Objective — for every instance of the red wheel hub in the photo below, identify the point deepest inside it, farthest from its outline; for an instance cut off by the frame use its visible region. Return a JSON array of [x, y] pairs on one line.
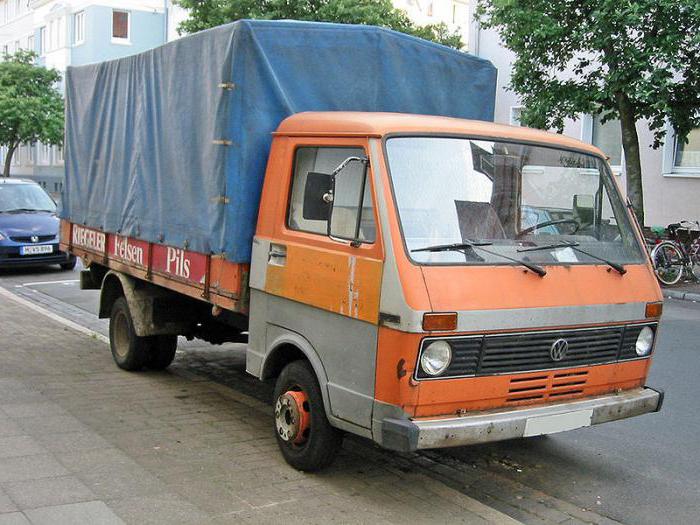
[[292, 416]]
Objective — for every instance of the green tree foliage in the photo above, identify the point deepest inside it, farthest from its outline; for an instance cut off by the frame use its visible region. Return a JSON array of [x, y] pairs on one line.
[[630, 60], [31, 108], [204, 14]]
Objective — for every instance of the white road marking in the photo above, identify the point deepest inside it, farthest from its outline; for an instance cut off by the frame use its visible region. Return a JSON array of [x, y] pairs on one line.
[[44, 283], [43, 311]]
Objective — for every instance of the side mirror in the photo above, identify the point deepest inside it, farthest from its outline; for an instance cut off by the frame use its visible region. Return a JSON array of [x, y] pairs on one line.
[[318, 196]]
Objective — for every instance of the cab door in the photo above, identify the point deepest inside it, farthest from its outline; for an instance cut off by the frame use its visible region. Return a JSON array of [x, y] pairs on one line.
[[327, 287]]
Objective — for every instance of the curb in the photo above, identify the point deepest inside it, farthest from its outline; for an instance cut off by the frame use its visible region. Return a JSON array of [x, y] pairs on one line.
[[683, 296]]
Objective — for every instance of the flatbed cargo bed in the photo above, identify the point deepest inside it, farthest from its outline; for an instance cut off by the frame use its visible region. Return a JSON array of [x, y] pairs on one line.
[[209, 278]]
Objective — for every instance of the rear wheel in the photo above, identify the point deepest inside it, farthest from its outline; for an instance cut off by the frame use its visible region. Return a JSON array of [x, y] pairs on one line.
[[129, 351], [307, 440], [668, 263], [161, 351]]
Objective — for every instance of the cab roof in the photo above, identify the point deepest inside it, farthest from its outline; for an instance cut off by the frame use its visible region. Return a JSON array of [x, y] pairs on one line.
[[381, 124]]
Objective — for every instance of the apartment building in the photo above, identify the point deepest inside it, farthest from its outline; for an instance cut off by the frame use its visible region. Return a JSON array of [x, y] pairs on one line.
[[71, 33]]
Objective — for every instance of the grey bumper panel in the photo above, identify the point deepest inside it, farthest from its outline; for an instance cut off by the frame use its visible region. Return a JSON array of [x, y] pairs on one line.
[[483, 427]]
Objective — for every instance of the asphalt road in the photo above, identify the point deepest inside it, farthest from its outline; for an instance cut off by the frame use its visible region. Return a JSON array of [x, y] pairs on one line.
[[640, 471]]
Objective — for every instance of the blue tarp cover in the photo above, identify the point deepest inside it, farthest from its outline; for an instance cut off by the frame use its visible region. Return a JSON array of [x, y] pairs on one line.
[[140, 155]]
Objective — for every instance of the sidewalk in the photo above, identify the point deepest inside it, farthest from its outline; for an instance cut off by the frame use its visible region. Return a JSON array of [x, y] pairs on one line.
[[685, 291], [83, 442]]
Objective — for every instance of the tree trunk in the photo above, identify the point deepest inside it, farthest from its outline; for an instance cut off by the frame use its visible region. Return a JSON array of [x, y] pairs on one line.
[[8, 159], [633, 161]]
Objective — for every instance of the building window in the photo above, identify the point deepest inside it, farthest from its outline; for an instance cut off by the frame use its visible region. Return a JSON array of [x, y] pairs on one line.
[[44, 154], [515, 112], [120, 25], [58, 156], [30, 43], [79, 28], [608, 138], [43, 42], [688, 155]]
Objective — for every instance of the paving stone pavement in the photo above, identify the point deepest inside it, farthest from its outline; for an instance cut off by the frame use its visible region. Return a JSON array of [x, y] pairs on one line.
[[83, 442]]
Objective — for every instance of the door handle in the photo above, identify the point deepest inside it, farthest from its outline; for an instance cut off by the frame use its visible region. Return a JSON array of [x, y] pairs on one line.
[[277, 255]]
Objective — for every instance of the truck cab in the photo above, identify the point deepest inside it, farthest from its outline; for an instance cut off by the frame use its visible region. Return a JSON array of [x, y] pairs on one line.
[[444, 282]]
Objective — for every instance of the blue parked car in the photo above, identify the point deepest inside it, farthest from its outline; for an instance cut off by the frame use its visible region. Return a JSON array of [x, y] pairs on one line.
[[29, 227]]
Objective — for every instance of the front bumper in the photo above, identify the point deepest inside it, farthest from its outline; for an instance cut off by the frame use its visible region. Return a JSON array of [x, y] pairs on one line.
[[496, 425], [10, 257]]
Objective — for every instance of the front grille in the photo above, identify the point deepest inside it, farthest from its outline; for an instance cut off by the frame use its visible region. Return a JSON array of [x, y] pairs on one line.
[[28, 238], [549, 385], [528, 351]]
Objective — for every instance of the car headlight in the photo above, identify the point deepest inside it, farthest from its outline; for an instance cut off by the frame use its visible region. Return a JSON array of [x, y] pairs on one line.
[[436, 357], [645, 340], [2, 237]]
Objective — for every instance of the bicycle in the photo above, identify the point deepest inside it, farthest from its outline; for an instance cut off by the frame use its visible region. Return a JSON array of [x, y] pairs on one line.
[[675, 257]]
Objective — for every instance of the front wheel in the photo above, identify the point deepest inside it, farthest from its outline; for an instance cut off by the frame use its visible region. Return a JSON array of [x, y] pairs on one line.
[[668, 263], [306, 439]]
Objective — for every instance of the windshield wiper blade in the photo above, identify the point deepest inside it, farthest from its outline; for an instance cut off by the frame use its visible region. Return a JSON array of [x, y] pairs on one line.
[[480, 245], [574, 246], [454, 246], [548, 247]]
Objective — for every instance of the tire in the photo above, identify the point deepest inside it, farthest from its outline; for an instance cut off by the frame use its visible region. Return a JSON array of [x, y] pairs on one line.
[[316, 448], [161, 351], [129, 351], [70, 265], [668, 263]]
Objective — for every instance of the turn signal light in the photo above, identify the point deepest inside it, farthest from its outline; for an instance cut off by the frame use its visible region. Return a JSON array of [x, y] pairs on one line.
[[652, 309], [442, 322]]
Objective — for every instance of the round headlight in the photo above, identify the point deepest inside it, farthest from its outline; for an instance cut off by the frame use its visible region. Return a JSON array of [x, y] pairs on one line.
[[645, 341], [436, 358]]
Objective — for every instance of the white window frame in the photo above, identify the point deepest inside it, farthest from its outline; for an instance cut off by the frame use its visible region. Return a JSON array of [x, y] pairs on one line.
[[30, 43], [43, 40], [58, 156], [79, 28], [121, 41], [587, 136], [669, 157], [511, 116], [44, 154]]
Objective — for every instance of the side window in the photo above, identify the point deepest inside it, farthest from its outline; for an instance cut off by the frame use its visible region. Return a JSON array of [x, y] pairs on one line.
[[350, 186]]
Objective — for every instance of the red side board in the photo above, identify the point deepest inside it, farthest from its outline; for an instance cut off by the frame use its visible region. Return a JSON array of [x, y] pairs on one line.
[[206, 277]]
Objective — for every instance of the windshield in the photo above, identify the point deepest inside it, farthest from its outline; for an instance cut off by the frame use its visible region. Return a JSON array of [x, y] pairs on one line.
[[512, 197], [24, 197]]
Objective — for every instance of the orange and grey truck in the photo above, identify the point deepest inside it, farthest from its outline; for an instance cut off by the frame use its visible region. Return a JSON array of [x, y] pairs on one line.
[[335, 196]]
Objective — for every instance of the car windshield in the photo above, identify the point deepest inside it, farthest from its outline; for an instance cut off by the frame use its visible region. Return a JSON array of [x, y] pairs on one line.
[[511, 197], [24, 197]]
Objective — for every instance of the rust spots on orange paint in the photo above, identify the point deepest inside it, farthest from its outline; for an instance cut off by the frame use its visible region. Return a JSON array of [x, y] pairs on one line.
[[334, 281]]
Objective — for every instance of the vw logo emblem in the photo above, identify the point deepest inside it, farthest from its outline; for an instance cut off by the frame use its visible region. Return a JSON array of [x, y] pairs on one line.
[[34, 238], [559, 349]]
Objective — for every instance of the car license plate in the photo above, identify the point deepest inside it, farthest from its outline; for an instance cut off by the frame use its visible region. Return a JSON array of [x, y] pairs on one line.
[[539, 425], [36, 250]]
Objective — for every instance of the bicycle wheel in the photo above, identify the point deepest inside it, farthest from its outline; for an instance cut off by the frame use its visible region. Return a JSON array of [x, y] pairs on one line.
[[695, 261], [668, 262]]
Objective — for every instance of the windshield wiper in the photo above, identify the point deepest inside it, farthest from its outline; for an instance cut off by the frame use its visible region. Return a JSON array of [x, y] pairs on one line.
[[480, 245], [574, 246], [454, 246]]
